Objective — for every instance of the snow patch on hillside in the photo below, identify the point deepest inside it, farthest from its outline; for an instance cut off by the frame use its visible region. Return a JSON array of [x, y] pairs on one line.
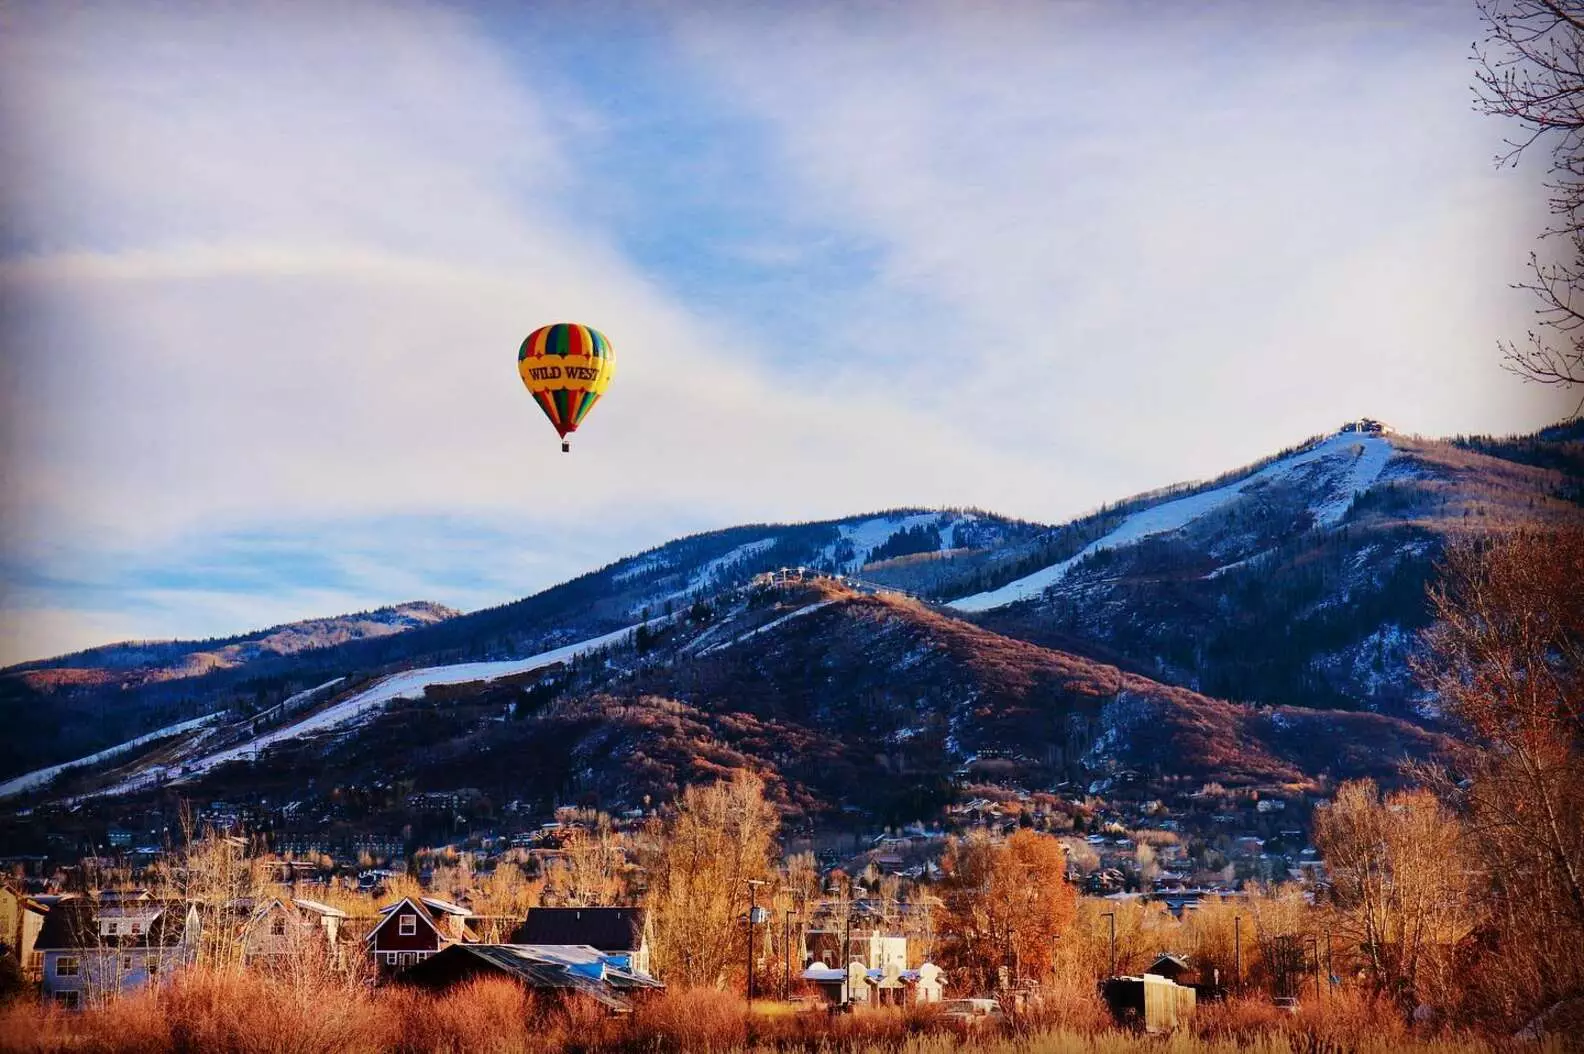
[[640, 565], [706, 574], [868, 535], [42, 777], [774, 623], [1362, 458], [1376, 665], [409, 684]]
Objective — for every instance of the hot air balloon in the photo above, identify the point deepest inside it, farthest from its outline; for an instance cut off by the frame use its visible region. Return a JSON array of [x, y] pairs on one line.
[[566, 367]]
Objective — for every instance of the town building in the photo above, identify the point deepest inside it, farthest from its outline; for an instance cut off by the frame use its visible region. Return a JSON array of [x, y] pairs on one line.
[[559, 969], [90, 950], [622, 935]]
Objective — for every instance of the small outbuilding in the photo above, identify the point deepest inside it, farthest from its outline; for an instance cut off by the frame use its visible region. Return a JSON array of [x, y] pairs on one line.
[[1150, 1001]]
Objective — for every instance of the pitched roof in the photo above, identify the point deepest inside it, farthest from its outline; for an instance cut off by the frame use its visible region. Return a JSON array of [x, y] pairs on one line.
[[73, 924], [444, 907], [560, 967], [318, 908], [390, 912], [608, 929]]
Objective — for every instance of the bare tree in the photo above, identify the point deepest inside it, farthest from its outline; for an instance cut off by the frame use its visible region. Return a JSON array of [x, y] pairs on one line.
[[1530, 70], [1399, 886], [221, 878], [1506, 660], [715, 840], [591, 869]]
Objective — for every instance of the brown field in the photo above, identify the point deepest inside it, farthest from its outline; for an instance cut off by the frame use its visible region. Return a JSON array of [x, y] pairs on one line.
[[242, 1012]]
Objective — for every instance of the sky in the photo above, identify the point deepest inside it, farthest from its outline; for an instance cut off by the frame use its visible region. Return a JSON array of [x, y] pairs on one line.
[[264, 268]]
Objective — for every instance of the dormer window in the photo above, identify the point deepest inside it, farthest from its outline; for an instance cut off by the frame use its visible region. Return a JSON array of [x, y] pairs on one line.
[[407, 925]]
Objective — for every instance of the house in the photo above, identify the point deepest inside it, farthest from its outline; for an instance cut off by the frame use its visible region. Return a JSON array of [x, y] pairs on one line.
[[620, 934], [558, 969], [873, 948], [1173, 968], [452, 919], [90, 950], [890, 986], [407, 934], [280, 928], [21, 920]]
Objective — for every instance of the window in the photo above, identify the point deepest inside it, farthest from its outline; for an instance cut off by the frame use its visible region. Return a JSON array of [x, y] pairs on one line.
[[278, 926], [66, 966], [406, 959], [407, 925], [137, 928], [69, 1000], [152, 964], [390, 958], [112, 927], [126, 962]]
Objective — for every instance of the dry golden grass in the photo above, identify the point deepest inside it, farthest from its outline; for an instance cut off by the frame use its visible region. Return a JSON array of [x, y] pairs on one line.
[[247, 1013]]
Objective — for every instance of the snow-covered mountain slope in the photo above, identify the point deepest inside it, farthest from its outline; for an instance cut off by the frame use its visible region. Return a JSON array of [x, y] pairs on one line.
[[1301, 583], [135, 661], [357, 707], [39, 778], [1298, 580], [56, 710], [1343, 464], [840, 698]]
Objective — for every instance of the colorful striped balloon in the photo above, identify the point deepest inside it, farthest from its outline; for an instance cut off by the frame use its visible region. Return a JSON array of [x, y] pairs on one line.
[[566, 367]]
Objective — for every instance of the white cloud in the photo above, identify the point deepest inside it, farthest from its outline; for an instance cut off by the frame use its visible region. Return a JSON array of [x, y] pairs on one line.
[[1198, 231], [298, 291], [270, 265]]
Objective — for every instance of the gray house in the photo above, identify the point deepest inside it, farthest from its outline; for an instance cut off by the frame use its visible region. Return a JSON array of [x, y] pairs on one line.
[[92, 950]]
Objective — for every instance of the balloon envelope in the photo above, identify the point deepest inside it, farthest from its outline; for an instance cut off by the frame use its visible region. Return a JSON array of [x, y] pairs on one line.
[[566, 367]]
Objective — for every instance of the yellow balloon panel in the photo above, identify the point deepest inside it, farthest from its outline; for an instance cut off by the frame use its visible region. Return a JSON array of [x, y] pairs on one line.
[[550, 373]]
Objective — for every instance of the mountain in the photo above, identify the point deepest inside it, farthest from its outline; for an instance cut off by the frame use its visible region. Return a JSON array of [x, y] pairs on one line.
[[64, 709], [136, 662], [1298, 581], [841, 696], [1250, 630]]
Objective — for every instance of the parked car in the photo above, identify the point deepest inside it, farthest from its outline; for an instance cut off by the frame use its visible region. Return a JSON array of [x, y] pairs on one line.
[[1287, 1003], [972, 1011]]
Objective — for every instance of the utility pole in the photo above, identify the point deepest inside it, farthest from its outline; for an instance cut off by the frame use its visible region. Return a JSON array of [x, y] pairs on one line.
[[753, 910], [786, 948], [1237, 952], [846, 955], [1112, 916], [1314, 946]]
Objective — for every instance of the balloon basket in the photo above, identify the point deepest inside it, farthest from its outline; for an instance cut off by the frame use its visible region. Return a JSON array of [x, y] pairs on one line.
[[566, 448]]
